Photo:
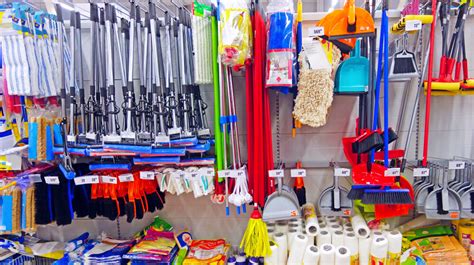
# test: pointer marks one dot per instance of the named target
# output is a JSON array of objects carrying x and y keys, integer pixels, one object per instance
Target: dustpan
[
  {"x": 281, "y": 205},
  {"x": 334, "y": 201},
  {"x": 352, "y": 76},
  {"x": 443, "y": 203},
  {"x": 404, "y": 58}
]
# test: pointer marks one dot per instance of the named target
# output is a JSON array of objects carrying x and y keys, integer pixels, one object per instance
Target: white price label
[
  {"x": 457, "y": 164},
  {"x": 392, "y": 172},
  {"x": 51, "y": 180},
  {"x": 147, "y": 175},
  {"x": 207, "y": 172},
  {"x": 109, "y": 179},
  {"x": 225, "y": 173},
  {"x": 412, "y": 25},
  {"x": 182, "y": 174},
  {"x": 421, "y": 172},
  {"x": 298, "y": 172},
  {"x": 276, "y": 173},
  {"x": 92, "y": 179},
  {"x": 35, "y": 178},
  {"x": 126, "y": 178},
  {"x": 238, "y": 173},
  {"x": 342, "y": 172},
  {"x": 193, "y": 175},
  {"x": 315, "y": 32}
]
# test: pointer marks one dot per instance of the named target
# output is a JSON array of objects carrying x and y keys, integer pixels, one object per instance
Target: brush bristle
[
  {"x": 357, "y": 191},
  {"x": 382, "y": 196},
  {"x": 139, "y": 205},
  {"x": 161, "y": 200},
  {"x": 93, "y": 208},
  {"x": 122, "y": 207},
  {"x": 130, "y": 211},
  {"x": 404, "y": 65}
]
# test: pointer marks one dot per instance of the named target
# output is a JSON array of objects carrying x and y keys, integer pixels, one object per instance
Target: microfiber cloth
[{"x": 280, "y": 35}]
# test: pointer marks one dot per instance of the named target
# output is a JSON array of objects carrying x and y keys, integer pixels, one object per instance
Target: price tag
[
  {"x": 342, "y": 172},
  {"x": 108, "y": 180},
  {"x": 298, "y": 172},
  {"x": 207, "y": 171},
  {"x": 412, "y": 25},
  {"x": 276, "y": 173},
  {"x": 315, "y": 32},
  {"x": 457, "y": 164},
  {"x": 51, "y": 180},
  {"x": 92, "y": 179},
  {"x": 126, "y": 178},
  {"x": 225, "y": 173},
  {"x": 392, "y": 172},
  {"x": 147, "y": 175},
  {"x": 421, "y": 172},
  {"x": 193, "y": 175},
  {"x": 182, "y": 174},
  {"x": 238, "y": 173},
  {"x": 35, "y": 178}
]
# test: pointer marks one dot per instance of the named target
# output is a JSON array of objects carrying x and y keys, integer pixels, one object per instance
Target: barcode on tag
[
  {"x": 412, "y": 25},
  {"x": 298, "y": 173},
  {"x": 457, "y": 164},
  {"x": 35, "y": 178},
  {"x": 92, "y": 179},
  {"x": 342, "y": 172},
  {"x": 315, "y": 32},
  {"x": 207, "y": 172},
  {"x": 147, "y": 175},
  {"x": 51, "y": 180},
  {"x": 108, "y": 180},
  {"x": 126, "y": 178},
  {"x": 225, "y": 173},
  {"x": 421, "y": 172},
  {"x": 392, "y": 172},
  {"x": 276, "y": 173},
  {"x": 193, "y": 175}
]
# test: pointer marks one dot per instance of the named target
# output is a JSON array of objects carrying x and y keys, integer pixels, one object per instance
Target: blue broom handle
[{"x": 385, "y": 84}]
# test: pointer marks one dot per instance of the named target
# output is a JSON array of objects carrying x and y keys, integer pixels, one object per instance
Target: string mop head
[{"x": 255, "y": 241}]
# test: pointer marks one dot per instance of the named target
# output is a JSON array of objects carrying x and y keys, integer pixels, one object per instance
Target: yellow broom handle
[
  {"x": 352, "y": 12},
  {"x": 8, "y": 186}
]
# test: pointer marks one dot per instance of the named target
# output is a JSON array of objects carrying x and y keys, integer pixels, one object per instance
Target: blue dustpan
[{"x": 352, "y": 75}]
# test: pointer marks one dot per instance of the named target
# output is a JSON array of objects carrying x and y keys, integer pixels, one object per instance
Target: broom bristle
[
  {"x": 122, "y": 204},
  {"x": 131, "y": 208},
  {"x": 357, "y": 191},
  {"x": 301, "y": 194},
  {"x": 139, "y": 206},
  {"x": 403, "y": 65},
  {"x": 391, "y": 196}
]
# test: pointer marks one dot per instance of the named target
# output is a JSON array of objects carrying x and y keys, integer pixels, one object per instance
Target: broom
[{"x": 255, "y": 241}]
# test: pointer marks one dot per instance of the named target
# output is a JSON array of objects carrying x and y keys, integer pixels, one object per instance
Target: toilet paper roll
[
  {"x": 296, "y": 226},
  {"x": 377, "y": 233},
  {"x": 378, "y": 250},
  {"x": 321, "y": 221},
  {"x": 352, "y": 243},
  {"x": 297, "y": 249},
  {"x": 360, "y": 227},
  {"x": 327, "y": 218},
  {"x": 333, "y": 222},
  {"x": 282, "y": 243},
  {"x": 394, "y": 247},
  {"x": 335, "y": 227},
  {"x": 294, "y": 221},
  {"x": 311, "y": 240},
  {"x": 273, "y": 258},
  {"x": 281, "y": 227},
  {"x": 311, "y": 255},
  {"x": 311, "y": 220},
  {"x": 323, "y": 226},
  {"x": 270, "y": 224},
  {"x": 364, "y": 250},
  {"x": 324, "y": 237},
  {"x": 347, "y": 225},
  {"x": 328, "y": 254},
  {"x": 291, "y": 236},
  {"x": 337, "y": 238},
  {"x": 343, "y": 256}
]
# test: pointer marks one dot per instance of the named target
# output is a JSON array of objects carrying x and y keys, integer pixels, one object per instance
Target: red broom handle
[{"x": 430, "y": 81}]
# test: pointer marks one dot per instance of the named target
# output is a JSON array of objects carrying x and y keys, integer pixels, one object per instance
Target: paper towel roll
[
  {"x": 378, "y": 250},
  {"x": 311, "y": 255},
  {"x": 352, "y": 243},
  {"x": 347, "y": 225},
  {"x": 294, "y": 221},
  {"x": 327, "y": 218},
  {"x": 360, "y": 226},
  {"x": 273, "y": 258},
  {"x": 281, "y": 227},
  {"x": 271, "y": 233},
  {"x": 324, "y": 237},
  {"x": 349, "y": 230},
  {"x": 364, "y": 250},
  {"x": 333, "y": 222},
  {"x": 270, "y": 224},
  {"x": 311, "y": 220},
  {"x": 328, "y": 254},
  {"x": 337, "y": 238},
  {"x": 311, "y": 240},
  {"x": 323, "y": 226},
  {"x": 297, "y": 249},
  {"x": 291, "y": 236},
  {"x": 281, "y": 241},
  {"x": 343, "y": 256},
  {"x": 321, "y": 221},
  {"x": 377, "y": 233},
  {"x": 394, "y": 247},
  {"x": 335, "y": 227},
  {"x": 296, "y": 226}
]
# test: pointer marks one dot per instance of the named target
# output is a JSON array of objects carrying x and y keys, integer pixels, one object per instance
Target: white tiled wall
[{"x": 452, "y": 127}]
